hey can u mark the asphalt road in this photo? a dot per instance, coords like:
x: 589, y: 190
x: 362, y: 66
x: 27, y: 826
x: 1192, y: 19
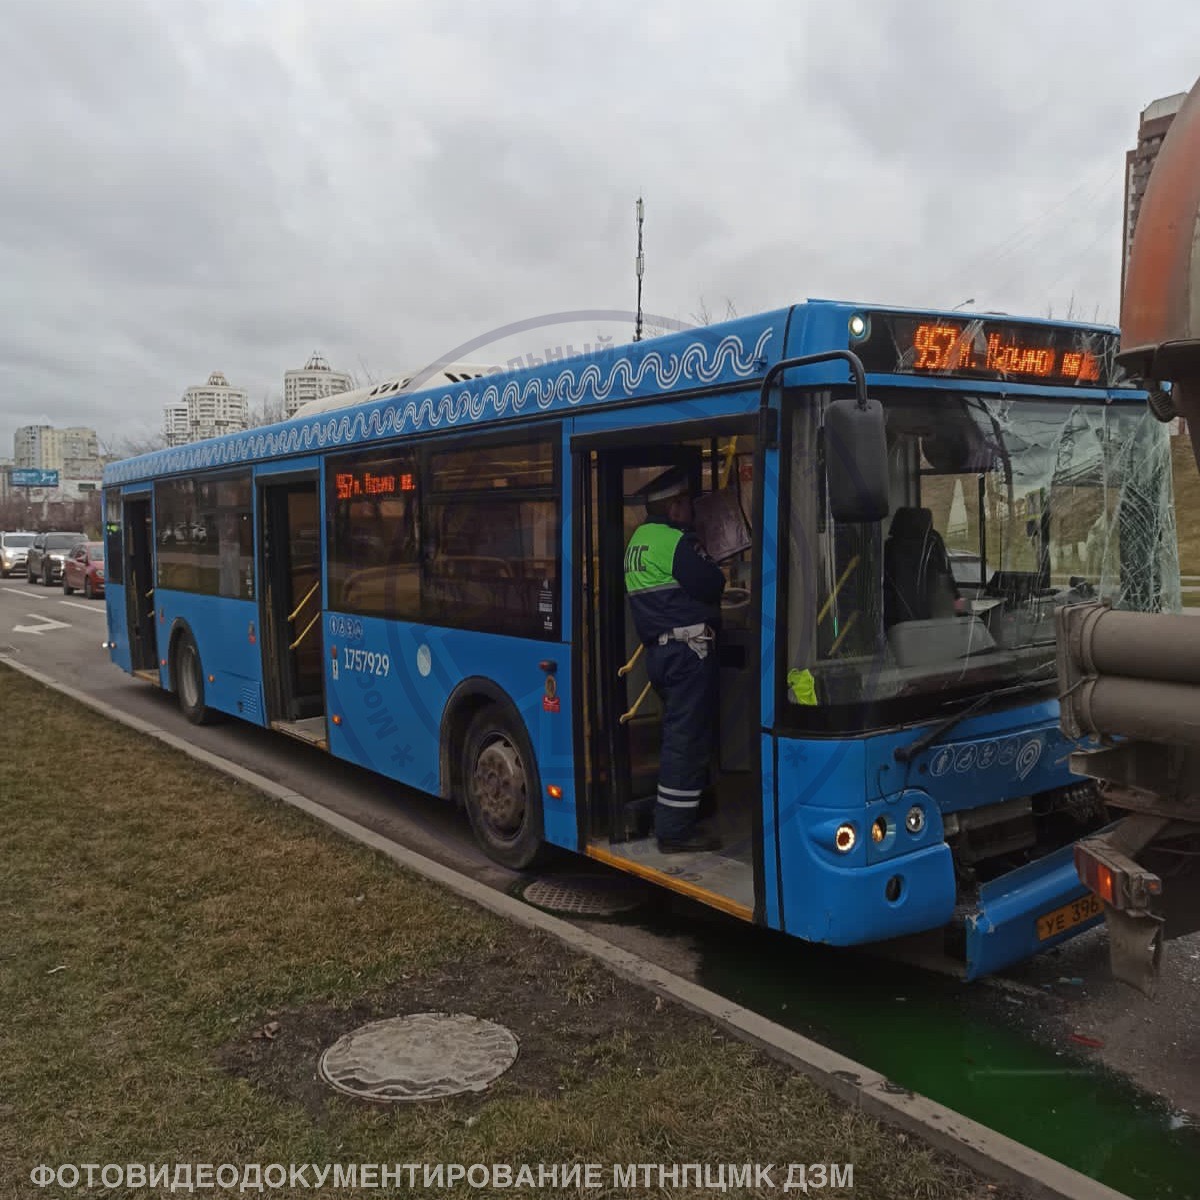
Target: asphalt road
x: 1154, y: 1042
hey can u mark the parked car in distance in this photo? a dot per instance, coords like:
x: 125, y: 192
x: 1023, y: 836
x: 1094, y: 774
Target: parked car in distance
x: 14, y: 547
x: 45, y: 562
x: 84, y: 569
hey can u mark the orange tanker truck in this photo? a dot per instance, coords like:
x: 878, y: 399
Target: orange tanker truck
x: 1130, y: 681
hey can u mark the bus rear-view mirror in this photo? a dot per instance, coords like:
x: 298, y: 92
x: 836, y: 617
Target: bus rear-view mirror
x: 856, y: 463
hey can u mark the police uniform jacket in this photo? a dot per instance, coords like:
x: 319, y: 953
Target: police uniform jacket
x: 670, y: 580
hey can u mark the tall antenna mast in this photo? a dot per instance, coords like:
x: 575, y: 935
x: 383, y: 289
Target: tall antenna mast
x: 639, y: 267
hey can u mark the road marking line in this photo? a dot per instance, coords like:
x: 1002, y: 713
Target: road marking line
x: 46, y: 623
x: 86, y: 607
x: 26, y: 592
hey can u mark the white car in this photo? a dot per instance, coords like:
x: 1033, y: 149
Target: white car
x: 14, y: 550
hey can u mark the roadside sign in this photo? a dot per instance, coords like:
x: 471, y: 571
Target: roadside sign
x: 31, y: 477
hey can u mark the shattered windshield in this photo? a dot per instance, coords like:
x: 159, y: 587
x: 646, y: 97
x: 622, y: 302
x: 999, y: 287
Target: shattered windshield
x: 1002, y: 510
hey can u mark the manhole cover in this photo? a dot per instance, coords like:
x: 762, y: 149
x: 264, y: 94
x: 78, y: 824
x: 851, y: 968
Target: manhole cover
x: 419, y: 1057
x: 585, y: 895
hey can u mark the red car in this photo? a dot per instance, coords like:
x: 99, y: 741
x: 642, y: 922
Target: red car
x: 83, y: 568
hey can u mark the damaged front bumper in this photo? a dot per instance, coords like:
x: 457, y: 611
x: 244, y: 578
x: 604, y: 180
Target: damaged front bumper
x: 1026, y: 911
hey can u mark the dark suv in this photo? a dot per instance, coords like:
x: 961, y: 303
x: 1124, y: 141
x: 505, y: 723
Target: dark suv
x: 45, y: 562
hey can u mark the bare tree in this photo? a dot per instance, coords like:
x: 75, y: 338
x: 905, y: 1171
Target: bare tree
x: 131, y: 445
x: 703, y: 314
x: 268, y: 412
x: 18, y: 512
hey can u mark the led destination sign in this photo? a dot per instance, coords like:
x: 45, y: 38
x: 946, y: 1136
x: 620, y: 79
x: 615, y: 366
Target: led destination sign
x: 984, y: 349
x: 352, y: 485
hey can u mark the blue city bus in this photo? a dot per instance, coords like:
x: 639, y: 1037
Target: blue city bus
x: 427, y: 582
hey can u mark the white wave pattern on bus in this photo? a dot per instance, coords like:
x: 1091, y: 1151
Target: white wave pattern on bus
x: 699, y: 362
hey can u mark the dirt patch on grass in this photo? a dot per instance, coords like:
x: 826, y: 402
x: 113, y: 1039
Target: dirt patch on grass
x: 567, y: 1015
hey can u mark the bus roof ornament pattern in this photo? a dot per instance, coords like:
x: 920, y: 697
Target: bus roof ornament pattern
x: 677, y: 362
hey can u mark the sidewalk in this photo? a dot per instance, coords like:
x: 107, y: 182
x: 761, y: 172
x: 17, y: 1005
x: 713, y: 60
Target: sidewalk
x: 178, y: 951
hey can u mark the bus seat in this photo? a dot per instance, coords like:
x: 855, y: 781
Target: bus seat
x: 918, y: 583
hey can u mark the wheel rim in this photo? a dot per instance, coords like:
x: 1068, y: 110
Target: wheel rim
x: 189, y: 680
x: 499, y: 785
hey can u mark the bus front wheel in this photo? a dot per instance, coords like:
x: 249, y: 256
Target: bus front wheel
x: 502, y: 790
x: 189, y: 680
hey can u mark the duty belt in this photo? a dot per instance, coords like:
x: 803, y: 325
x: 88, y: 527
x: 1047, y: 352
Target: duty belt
x: 687, y: 633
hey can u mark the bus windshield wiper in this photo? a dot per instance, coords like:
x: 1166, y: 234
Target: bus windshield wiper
x: 910, y: 751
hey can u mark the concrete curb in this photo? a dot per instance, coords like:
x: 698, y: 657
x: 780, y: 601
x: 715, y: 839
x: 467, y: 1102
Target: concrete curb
x: 990, y: 1153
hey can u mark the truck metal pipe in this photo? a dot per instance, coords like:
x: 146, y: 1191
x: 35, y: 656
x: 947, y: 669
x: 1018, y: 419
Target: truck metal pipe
x: 1165, y: 713
x: 1153, y: 646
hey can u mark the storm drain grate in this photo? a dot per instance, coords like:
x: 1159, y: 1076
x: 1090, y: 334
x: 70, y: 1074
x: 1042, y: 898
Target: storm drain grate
x: 586, y: 895
x: 423, y: 1056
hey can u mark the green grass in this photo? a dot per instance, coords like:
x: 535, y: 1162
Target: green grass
x: 155, y: 920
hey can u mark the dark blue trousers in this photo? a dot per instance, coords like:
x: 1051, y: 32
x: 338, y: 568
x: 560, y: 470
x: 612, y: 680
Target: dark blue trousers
x: 687, y: 685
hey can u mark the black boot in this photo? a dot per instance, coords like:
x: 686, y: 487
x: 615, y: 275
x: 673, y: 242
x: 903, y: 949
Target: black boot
x: 694, y: 841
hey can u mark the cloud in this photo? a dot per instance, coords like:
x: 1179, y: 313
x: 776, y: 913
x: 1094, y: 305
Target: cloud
x: 230, y: 186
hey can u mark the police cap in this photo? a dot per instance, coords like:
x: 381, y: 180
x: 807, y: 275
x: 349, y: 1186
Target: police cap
x: 668, y: 485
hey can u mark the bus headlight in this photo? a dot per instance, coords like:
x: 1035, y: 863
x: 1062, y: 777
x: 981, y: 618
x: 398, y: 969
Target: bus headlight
x: 845, y: 837
x: 914, y: 821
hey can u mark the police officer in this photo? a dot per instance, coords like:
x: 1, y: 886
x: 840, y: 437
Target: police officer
x: 674, y: 591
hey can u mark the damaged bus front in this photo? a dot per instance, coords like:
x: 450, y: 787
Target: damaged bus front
x: 1022, y: 477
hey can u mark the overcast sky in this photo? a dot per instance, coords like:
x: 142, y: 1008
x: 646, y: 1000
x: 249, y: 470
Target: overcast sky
x: 195, y: 186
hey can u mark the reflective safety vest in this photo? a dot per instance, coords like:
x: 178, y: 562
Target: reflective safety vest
x: 802, y: 685
x: 670, y: 580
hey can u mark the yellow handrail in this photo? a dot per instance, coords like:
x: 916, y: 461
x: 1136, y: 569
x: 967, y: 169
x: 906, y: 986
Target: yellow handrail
x: 628, y: 716
x: 845, y: 630
x: 316, y: 618
x: 837, y: 587
x: 622, y: 671
x: 307, y: 597
x: 730, y: 454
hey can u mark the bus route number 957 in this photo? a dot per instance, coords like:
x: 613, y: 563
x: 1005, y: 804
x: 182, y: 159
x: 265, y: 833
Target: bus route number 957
x: 365, y: 661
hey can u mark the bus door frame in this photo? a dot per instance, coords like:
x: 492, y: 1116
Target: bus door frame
x: 138, y: 546
x: 272, y: 486
x: 640, y: 445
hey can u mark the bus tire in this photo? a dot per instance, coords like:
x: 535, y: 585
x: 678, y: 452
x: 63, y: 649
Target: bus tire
x: 502, y: 790
x: 188, y: 676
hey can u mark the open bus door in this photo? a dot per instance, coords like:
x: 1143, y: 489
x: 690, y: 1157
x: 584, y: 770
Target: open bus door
x: 290, y: 568
x: 138, y: 541
x: 623, y: 714
x: 627, y: 742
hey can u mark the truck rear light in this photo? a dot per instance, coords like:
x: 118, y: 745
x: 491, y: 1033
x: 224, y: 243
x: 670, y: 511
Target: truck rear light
x: 1094, y: 875
x: 1112, y: 882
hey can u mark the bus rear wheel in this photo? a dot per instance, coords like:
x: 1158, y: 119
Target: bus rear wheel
x: 189, y: 680
x: 502, y: 790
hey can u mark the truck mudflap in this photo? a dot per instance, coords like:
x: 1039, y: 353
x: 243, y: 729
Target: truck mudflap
x: 1037, y: 906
